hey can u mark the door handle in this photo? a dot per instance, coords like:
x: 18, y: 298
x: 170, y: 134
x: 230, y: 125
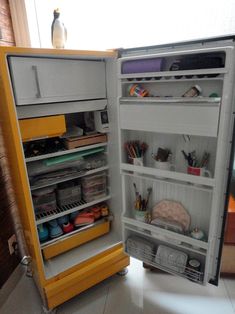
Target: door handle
x: 35, y: 70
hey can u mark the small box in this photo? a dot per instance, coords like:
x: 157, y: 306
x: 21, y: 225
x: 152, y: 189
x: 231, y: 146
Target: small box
x: 37, y: 128
x: 75, y: 142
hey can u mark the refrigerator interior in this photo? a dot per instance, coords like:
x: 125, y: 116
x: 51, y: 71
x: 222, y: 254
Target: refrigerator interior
x: 46, y: 159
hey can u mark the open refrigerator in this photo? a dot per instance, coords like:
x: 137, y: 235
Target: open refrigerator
x: 159, y: 211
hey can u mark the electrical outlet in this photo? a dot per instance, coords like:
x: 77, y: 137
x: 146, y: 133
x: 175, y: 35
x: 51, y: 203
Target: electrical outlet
x: 11, y: 240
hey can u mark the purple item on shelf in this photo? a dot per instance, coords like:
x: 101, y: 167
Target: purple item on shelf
x: 142, y: 65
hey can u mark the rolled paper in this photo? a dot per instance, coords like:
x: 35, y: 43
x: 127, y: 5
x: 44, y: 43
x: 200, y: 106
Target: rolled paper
x: 71, y: 157
x: 142, y: 65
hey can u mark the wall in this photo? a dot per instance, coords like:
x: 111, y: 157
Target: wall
x: 6, y: 31
x: 7, y: 262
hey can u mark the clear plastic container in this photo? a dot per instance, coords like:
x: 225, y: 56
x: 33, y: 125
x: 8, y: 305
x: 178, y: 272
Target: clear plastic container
x: 90, y: 197
x: 44, y: 199
x: 94, y: 187
x: 93, y: 180
x: 45, y: 207
x: 95, y: 161
x: 68, y: 193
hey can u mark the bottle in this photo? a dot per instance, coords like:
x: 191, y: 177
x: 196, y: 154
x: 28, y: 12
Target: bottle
x: 193, y: 91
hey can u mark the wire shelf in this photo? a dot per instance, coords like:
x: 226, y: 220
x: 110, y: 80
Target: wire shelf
x: 166, y: 264
x: 59, y: 211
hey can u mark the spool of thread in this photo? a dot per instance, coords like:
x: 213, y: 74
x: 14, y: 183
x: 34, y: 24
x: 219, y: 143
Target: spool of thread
x: 137, y: 90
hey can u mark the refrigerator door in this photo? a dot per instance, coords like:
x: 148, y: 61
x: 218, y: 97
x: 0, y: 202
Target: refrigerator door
x: 176, y: 99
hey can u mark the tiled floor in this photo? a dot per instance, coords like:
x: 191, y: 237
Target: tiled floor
x: 140, y: 291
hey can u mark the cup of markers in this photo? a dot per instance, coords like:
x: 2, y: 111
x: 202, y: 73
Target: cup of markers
x: 197, y: 166
x: 141, y: 205
x: 135, y: 152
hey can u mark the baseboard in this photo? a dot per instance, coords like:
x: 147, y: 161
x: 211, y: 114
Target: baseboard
x: 10, y: 284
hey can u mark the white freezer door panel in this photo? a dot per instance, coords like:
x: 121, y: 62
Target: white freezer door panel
x: 43, y: 80
x: 175, y: 118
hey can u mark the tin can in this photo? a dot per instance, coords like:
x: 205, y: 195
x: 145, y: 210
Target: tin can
x: 137, y: 90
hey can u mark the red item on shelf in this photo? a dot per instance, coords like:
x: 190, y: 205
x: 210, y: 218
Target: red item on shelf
x: 83, y: 219
x: 68, y: 227
x: 96, y: 211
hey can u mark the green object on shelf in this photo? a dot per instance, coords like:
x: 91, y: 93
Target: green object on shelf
x: 215, y: 95
x: 71, y: 157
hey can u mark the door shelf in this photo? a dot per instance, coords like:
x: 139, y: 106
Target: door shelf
x: 80, y: 174
x: 64, y: 152
x: 187, y: 101
x: 196, y: 118
x: 193, y: 275
x: 174, y: 73
x: 199, y: 187
x: 67, y: 209
x: 164, y: 175
x: 169, y: 80
x: 168, y: 236
x: 75, y: 238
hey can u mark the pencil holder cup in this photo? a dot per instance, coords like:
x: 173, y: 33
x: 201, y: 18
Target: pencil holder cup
x: 196, y: 171
x: 164, y: 165
x: 140, y: 215
x: 139, y: 161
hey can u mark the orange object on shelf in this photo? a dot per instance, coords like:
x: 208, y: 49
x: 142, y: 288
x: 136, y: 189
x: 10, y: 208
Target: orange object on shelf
x: 38, y: 128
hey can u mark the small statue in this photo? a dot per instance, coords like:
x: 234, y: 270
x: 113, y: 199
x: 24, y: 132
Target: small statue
x: 58, y: 31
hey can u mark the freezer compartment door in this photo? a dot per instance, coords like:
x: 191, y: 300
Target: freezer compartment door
x: 48, y: 80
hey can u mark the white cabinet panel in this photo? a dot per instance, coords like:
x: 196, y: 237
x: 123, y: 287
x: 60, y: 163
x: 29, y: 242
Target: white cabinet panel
x: 171, y: 118
x: 45, y: 80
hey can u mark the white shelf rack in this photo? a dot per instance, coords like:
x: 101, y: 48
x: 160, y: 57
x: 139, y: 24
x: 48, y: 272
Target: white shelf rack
x: 67, y: 209
x: 180, y: 240
x: 169, y: 100
x: 64, y: 152
x: 174, y: 73
x: 68, y: 178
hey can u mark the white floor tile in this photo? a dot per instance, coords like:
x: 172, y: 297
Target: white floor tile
x: 148, y: 292
x: 24, y: 299
x: 139, y: 292
x: 230, y: 287
x: 91, y: 301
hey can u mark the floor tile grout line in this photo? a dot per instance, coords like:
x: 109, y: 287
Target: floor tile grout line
x: 228, y: 294
x: 106, y: 301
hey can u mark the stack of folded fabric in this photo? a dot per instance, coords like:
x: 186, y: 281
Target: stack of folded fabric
x: 140, y: 248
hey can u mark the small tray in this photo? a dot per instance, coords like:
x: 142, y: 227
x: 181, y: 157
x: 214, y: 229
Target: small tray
x: 75, y: 142
x: 170, y: 258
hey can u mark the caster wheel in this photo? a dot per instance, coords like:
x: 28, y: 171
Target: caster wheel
x: 122, y: 272
x: 45, y: 310
x: 147, y: 266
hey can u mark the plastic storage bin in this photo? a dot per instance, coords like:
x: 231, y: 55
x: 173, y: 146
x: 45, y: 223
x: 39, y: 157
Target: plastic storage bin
x: 44, y: 199
x: 94, y: 187
x: 42, y: 127
x: 68, y: 193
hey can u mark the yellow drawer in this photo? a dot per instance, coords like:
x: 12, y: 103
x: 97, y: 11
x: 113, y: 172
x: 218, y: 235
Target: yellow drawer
x: 42, y: 127
x: 75, y: 240
x: 90, y: 273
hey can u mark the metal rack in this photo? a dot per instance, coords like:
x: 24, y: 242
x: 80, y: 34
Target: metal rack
x: 67, y: 209
x: 165, y: 265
